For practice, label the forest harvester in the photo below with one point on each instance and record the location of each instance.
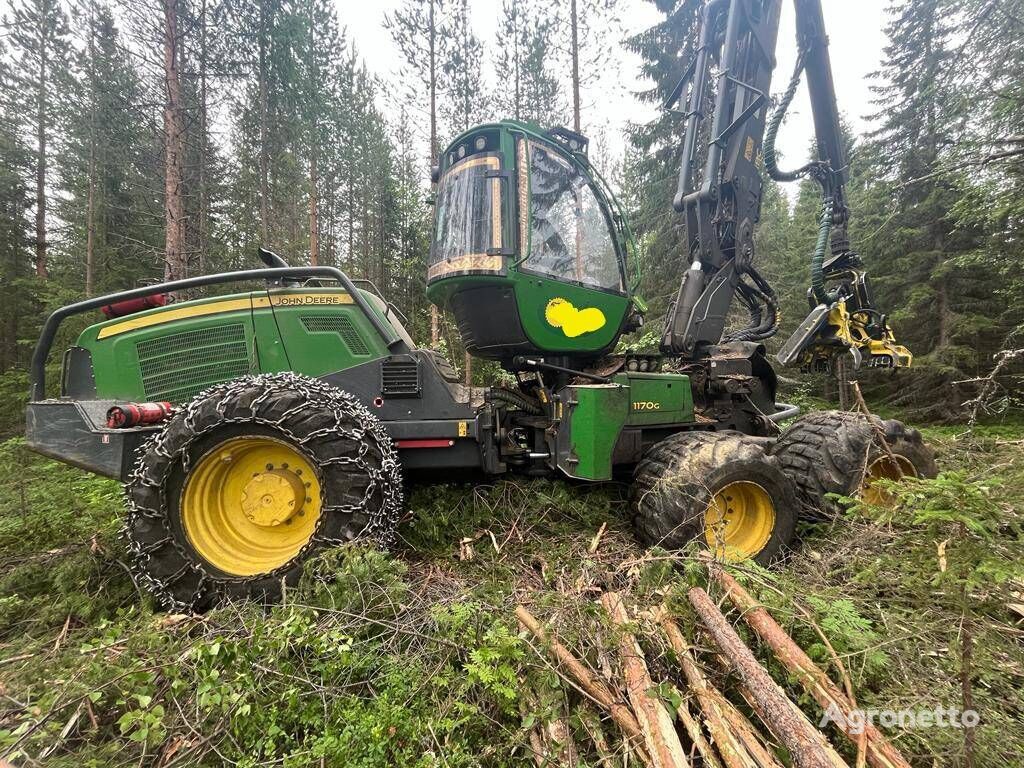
(255, 429)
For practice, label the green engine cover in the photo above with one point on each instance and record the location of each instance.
(172, 353)
(594, 415)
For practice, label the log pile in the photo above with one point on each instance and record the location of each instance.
(687, 719)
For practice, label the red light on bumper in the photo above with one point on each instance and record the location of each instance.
(426, 443)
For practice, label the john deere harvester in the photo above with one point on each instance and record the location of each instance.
(254, 429)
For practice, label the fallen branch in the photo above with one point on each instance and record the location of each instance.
(659, 732)
(807, 745)
(719, 713)
(597, 690)
(596, 541)
(879, 751)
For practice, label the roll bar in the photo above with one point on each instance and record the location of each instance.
(37, 372)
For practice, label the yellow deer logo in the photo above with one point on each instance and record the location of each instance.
(560, 313)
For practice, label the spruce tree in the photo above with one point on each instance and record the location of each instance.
(916, 264)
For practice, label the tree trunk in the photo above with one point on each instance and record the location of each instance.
(90, 206)
(880, 753)
(807, 746)
(659, 732)
(175, 260)
(314, 216)
(41, 95)
(575, 51)
(313, 73)
(264, 158)
(203, 196)
(435, 318)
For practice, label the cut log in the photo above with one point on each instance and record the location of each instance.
(696, 734)
(596, 689)
(717, 710)
(806, 744)
(751, 739)
(880, 752)
(660, 735)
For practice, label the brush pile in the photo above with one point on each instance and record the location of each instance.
(712, 730)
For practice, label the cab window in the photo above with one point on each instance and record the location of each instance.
(570, 238)
(467, 228)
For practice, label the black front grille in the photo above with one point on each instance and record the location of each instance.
(400, 377)
(178, 367)
(341, 325)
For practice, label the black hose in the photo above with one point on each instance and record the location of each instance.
(818, 259)
(517, 400)
(817, 170)
(771, 160)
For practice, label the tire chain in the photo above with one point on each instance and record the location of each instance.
(387, 478)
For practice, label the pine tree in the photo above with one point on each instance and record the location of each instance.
(16, 266)
(418, 31)
(528, 85)
(589, 32)
(39, 36)
(466, 99)
(321, 48)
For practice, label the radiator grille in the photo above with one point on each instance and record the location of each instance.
(178, 367)
(341, 325)
(400, 378)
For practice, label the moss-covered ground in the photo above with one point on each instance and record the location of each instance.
(413, 658)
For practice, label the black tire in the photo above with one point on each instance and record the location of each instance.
(678, 478)
(350, 451)
(828, 452)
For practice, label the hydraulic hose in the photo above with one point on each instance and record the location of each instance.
(818, 259)
(814, 169)
(771, 134)
(517, 400)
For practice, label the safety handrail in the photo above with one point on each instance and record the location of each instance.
(37, 373)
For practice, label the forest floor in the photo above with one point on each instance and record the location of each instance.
(414, 658)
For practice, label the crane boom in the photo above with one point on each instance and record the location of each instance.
(721, 199)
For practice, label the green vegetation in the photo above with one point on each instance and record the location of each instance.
(413, 658)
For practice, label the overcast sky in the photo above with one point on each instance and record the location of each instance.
(855, 29)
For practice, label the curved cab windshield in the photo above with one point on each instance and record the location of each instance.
(569, 234)
(468, 224)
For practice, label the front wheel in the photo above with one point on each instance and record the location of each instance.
(719, 489)
(249, 481)
(841, 453)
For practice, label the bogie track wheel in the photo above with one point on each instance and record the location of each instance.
(248, 481)
(845, 453)
(720, 489)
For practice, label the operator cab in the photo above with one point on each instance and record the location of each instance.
(530, 252)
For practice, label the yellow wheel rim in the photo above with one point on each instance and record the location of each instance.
(739, 521)
(250, 504)
(884, 468)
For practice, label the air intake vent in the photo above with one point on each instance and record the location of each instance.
(178, 367)
(341, 325)
(400, 377)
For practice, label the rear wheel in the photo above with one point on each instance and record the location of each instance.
(249, 481)
(719, 489)
(843, 453)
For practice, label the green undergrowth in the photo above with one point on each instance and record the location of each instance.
(414, 657)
